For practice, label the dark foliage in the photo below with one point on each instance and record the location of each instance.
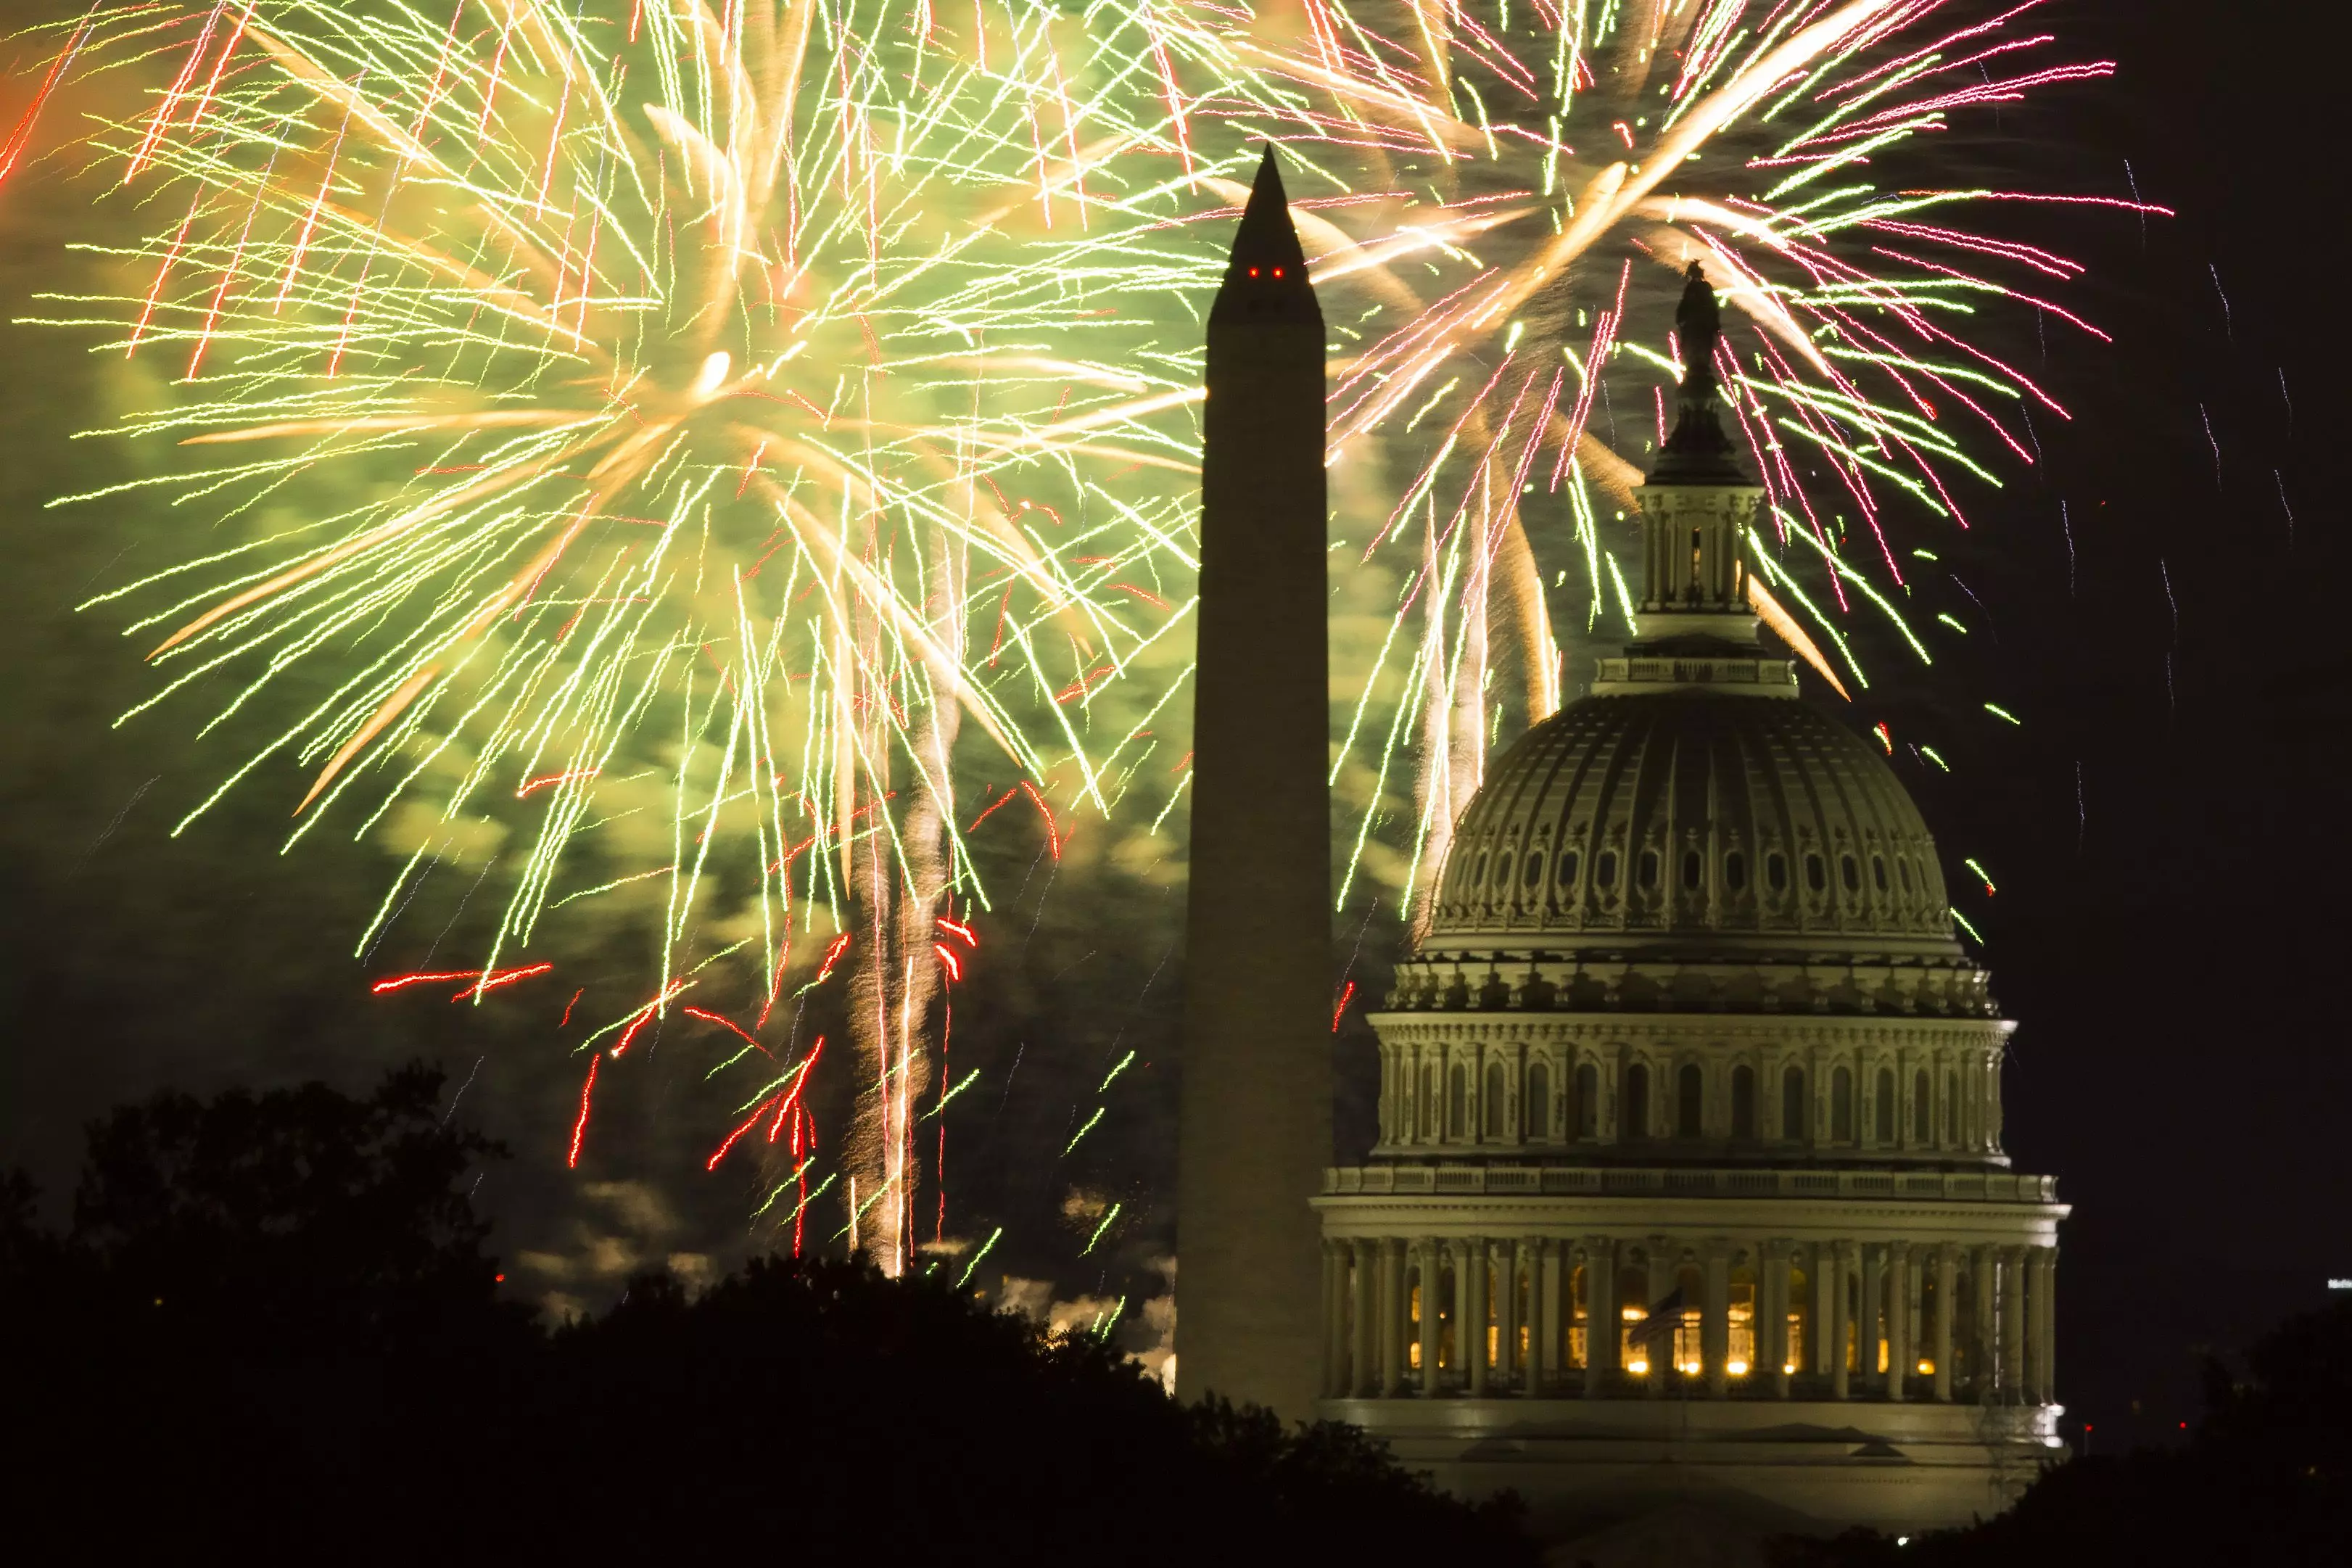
(2266, 1478)
(272, 1326)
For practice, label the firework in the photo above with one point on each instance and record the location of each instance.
(1514, 188)
(673, 430)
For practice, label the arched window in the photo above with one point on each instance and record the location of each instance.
(1588, 1101)
(1883, 1126)
(1637, 1103)
(1743, 1101)
(1850, 874)
(1532, 877)
(1793, 1119)
(1902, 871)
(1776, 872)
(1428, 1100)
(1538, 1117)
(1495, 1099)
(1690, 1101)
(1694, 871)
(1878, 871)
(1649, 870)
(1923, 1110)
(1952, 1111)
(1502, 871)
(1841, 1107)
(1457, 1103)
(1479, 871)
(1734, 871)
(1567, 868)
(1817, 875)
(1604, 868)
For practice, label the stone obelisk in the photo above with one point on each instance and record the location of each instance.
(1254, 1128)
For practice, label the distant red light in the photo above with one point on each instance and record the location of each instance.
(1277, 272)
(1253, 272)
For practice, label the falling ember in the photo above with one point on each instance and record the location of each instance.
(579, 1127)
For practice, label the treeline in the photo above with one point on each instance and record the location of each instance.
(2265, 1479)
(273, 1325)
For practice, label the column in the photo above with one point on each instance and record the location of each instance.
(1538, 1359)
(1363, 1367)
(2040, 1283)
(1462, 1347)
(1866, 1322)
(1715, 1320)
(1983, 1280)
(1775, 1292)
(1946, 1282)
(1392, 1329)
(1335, 1318)
(1899, 1317)
(2012, 1325)
(1840, 1316)
(1506, 1314)
(1432, 1298)
(1824, 1276)
(1601, 1317)
(1551, 1270)
(1660, 1282)
(1471, 1334)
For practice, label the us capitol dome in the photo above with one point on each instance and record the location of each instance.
(1689, 1183)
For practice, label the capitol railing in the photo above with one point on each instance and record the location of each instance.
(1983, 1186)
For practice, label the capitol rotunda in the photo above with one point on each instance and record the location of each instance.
(1690, 1037)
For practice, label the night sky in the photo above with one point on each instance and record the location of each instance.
(2163, 828)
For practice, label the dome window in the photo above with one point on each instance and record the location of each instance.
(1503, 870)
(1734, 871)
(1637, 1103)
(1497, 1102)
(1878, 871)
(1817, 875)
(1842, 1106)
(1792, 1105)
(1776, 871)
(1567, 868)
(1694, 871)
(1532, 877)
(1690, 1102)
(1478, 870)
(1588, 1101)
(1649, 870)
(1923, 1109)
(1883, 1125)
(1538, 1106)
(1743, 1101)
(1903, 872)
(1850, 873)
(1604, 868)
(1457, 1102)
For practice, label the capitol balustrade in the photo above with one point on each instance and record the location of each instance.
(1483, 1318)
(1985, 1186)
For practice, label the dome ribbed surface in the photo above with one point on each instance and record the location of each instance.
(1646, 819)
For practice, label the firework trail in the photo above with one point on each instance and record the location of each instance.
(642, 413)
(1514, 189)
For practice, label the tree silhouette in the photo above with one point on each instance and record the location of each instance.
(273, 1325)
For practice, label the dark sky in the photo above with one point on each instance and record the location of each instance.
(2167, 928)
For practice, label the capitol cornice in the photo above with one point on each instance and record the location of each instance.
(1637, 1028)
